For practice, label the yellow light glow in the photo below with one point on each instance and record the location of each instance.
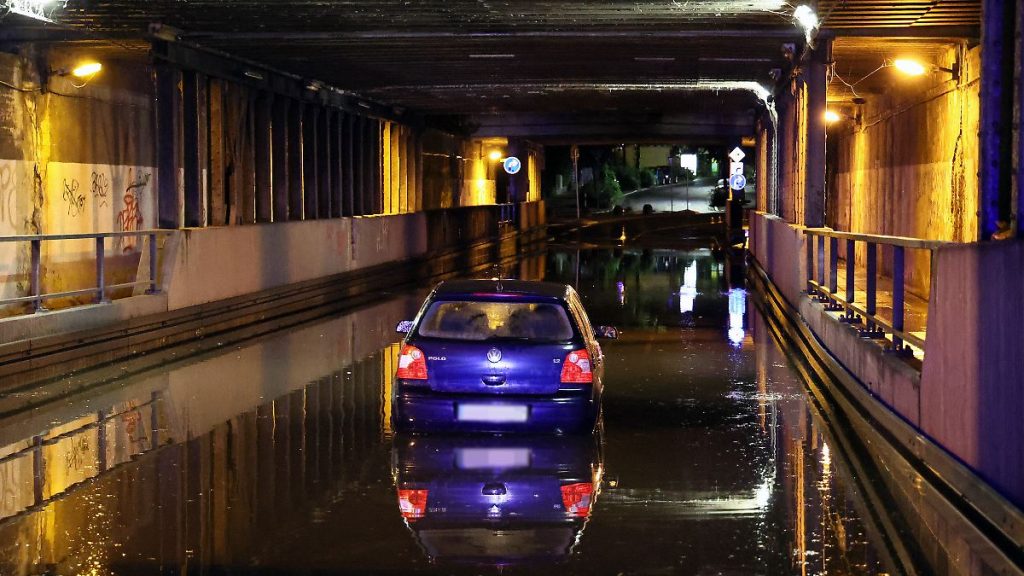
(495, 155)
(909, 67)
(87, 69)
(831, 117)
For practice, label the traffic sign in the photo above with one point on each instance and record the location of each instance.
(512, 165)
(735, 168)
(737, 155)
(737, 182)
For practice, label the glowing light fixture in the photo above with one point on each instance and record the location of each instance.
(807, 19)
(909, 67)
(832, 117)
(36, 9)
(86, 69)
(494, 155)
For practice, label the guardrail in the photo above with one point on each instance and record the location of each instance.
(507, 213)
(36, 296)
(853, 311)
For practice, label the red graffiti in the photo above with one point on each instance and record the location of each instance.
(129, 219)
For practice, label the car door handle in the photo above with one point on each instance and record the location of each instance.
(493, 379)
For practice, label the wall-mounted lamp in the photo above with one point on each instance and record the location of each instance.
(84, 70)
(914, 68)
(833, 116)
(494, 155)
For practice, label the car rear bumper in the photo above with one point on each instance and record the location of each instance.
(425, 411)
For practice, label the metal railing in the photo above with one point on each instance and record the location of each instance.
(865, 313)
(507, 213)
(36, 296)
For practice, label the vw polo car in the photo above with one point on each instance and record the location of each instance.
(499, 356)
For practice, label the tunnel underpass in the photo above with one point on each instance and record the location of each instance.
(795, 227)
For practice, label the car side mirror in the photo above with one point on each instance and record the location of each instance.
(404, 327)
(608, 332)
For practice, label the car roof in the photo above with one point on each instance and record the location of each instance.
(505, 286)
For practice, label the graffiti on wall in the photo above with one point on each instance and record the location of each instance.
(7, 193)
(100, 188)
(129, 218)
(74, 200)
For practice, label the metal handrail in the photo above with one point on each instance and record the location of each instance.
(853, 312)
(36, 296)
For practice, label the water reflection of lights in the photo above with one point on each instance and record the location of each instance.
(620, 287)
(688, 291)
(737, 308)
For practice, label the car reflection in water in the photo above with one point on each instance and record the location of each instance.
(497, 500)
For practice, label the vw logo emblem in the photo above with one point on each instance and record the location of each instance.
(494, 355)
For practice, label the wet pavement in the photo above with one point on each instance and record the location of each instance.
(276, 456)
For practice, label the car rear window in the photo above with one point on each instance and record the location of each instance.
(477, 320)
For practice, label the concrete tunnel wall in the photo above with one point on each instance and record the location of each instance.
(84, 159)
(911, 169)
(968, 396)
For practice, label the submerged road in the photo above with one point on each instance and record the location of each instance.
(276, 456)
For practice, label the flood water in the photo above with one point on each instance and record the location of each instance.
(276, 456)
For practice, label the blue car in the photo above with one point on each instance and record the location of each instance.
(499, 356)
(497, 500)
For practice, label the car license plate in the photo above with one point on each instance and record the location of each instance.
(479, 458)
(491, 413)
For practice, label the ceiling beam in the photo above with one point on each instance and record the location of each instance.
(782, 33)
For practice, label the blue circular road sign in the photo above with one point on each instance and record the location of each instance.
(737, 182)
(512, 165)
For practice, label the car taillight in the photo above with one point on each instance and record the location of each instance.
(412, 364)
(412, 503)
(576, 368)
(576, 498)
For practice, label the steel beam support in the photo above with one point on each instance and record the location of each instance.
(311, 187)
(817, 88)
(418, 178)
(263, 166)
(359, 165)
(295, 201)
(247, 161)
(997, 71)
(279, 158)
(167, 115)
(372, 156)
(323, 161)
(191, 164)
(336, 134)
(349, 167)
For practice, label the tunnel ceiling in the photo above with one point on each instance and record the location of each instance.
(486, 57)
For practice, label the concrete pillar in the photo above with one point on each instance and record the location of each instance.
(997, 103)
(167, 101)
(279, 158)
(817, 88)
(262, 166)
